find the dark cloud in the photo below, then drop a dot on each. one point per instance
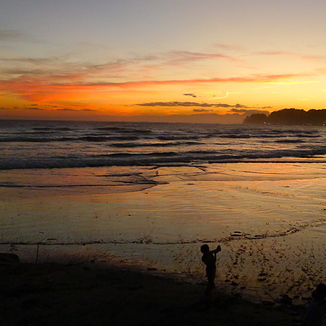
(34, 108)
(176, 103)
(248, 112)
(190, 94)
(240, 106)
(189, 104)
(222, 105)
(202, 110)
(52, 106)
(240, 110)
(71, 110)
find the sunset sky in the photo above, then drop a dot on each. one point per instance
(155, 60)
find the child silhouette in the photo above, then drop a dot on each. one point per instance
(209, 259)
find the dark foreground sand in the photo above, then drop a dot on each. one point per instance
(54, 294)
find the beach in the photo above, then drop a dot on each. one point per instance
(80, 294)
(268, 218)
(81, 200)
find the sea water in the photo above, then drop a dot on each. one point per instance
(51, 144)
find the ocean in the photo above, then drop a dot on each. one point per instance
(149, 194)
(58, 144)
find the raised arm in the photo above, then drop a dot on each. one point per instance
(218, 249)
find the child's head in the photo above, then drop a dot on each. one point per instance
(204, 248)
(320, 292)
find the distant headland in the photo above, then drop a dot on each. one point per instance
(289, 117)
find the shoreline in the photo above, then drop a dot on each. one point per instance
(269, 218)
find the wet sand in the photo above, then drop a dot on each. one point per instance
(269, 219)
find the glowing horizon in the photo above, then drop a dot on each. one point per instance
(148, 63)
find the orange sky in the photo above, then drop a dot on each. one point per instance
(188, 65)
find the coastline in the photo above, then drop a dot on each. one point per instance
(269, 218)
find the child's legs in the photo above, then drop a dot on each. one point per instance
(210, 273)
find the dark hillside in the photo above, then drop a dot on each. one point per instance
(289, 117)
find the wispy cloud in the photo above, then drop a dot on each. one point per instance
(275, 53)
(60, 80)
(292, 55)
(11, 35)
(138, 66)
(246, 79)
(66, 84)
(229, 47)
(178, 57)
(138, 69)
(190, 104)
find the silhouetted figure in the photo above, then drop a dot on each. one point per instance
(209, 259)
(314, 313)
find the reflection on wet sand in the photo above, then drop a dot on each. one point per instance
(270, 219)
